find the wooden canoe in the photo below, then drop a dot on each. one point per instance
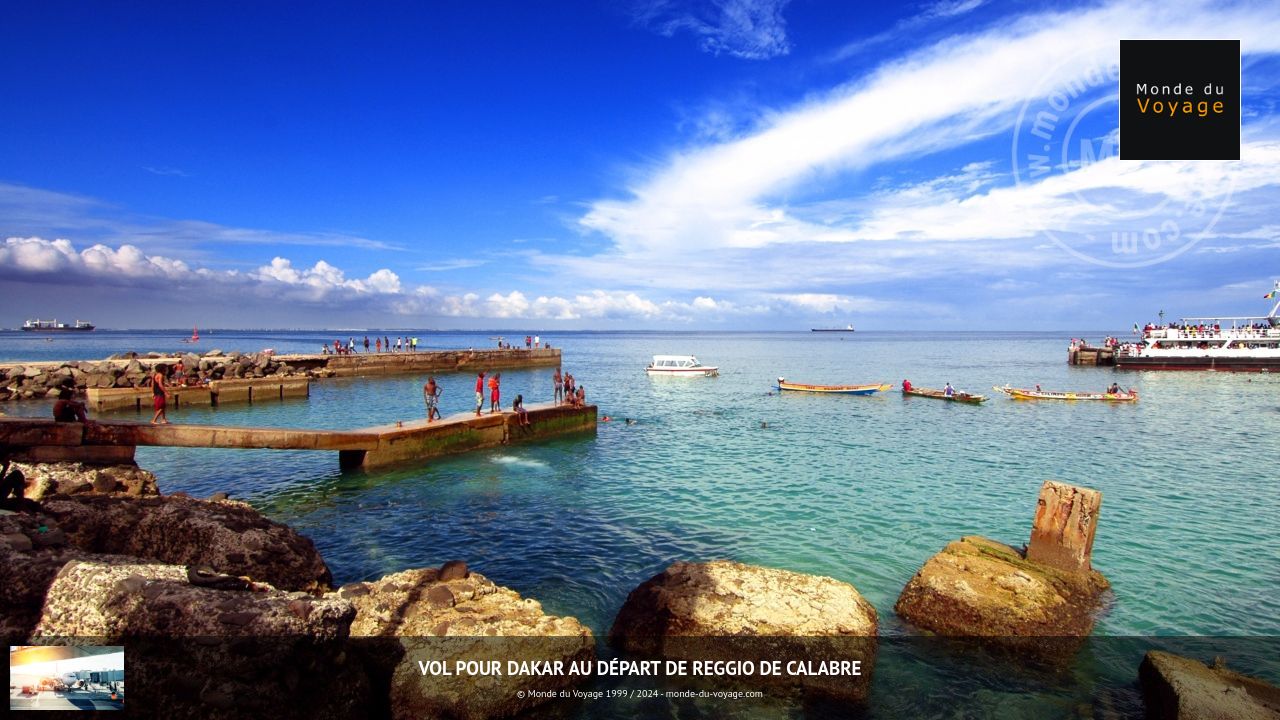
(837, 389)
(960, 397)
(1025, 394)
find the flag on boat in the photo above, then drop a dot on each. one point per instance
(1135, 328)
(1269, 295)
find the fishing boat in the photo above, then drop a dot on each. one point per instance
(836, 389)
(680, 366)
(846, 328)
(955, 396)
(1025, 394)
(1249, 344)
(48, 326)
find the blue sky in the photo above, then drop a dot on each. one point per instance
(723, 164)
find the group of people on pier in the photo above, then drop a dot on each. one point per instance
(379, 345)
(566, 392)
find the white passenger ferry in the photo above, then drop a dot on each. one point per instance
(680, 366)
(1250, 344)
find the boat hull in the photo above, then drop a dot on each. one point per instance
(834, 389)
(1231, 364)
(967, 398)
(683, 372)
(1023, 394)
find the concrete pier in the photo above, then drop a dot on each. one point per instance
(218, 392)
(39, 440)
(1088, 355)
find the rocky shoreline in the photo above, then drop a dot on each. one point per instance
(226, 613)
(33, 381)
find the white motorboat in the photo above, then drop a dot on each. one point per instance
(680, 366)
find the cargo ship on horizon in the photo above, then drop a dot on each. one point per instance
(44, 326)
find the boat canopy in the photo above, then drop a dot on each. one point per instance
(675, 361)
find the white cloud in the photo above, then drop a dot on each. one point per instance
(46, 212)
(750, 29)
(35, 259)
(723, 216)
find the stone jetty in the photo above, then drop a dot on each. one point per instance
(226, 613)
(725, 610)
(1027, 600)
(35, 380)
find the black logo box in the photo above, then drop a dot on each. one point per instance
(1160, 77)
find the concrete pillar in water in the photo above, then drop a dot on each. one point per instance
(1066, 519)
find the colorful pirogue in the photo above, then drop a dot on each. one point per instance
(1024, 394)
(957, 396)
(838, 389)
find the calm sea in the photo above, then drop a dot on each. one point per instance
(863, 489)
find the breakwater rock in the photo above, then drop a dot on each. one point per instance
(73, 478)
(727, 610)
(978, 587)
(226, 613)
(130, 370)
(196, 651)
(451, 614)
(1041, 601)
(226, 535)
(1179, 688)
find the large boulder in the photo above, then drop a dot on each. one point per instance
(452, 615)
(229, 536)
(1179, 688)
(977, 587)
(197, 651)
(67, 478)
(725, 610)
(32, 551)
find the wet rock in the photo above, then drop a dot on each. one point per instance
(481, 622)
(453, 570)
(978, 587)
(728, 610)
(1179, 688)
(230, 537)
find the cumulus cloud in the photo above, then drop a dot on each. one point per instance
(749, 29)
(34, 259)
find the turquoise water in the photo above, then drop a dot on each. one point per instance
(863, 489)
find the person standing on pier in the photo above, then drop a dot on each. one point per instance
(479, 392)
(431, 393)
(494, 393)
(159, 395)
(366, 344)
(556, 381)
(377, 345)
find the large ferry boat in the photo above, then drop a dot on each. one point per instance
(1248, 344)
(55, 326)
